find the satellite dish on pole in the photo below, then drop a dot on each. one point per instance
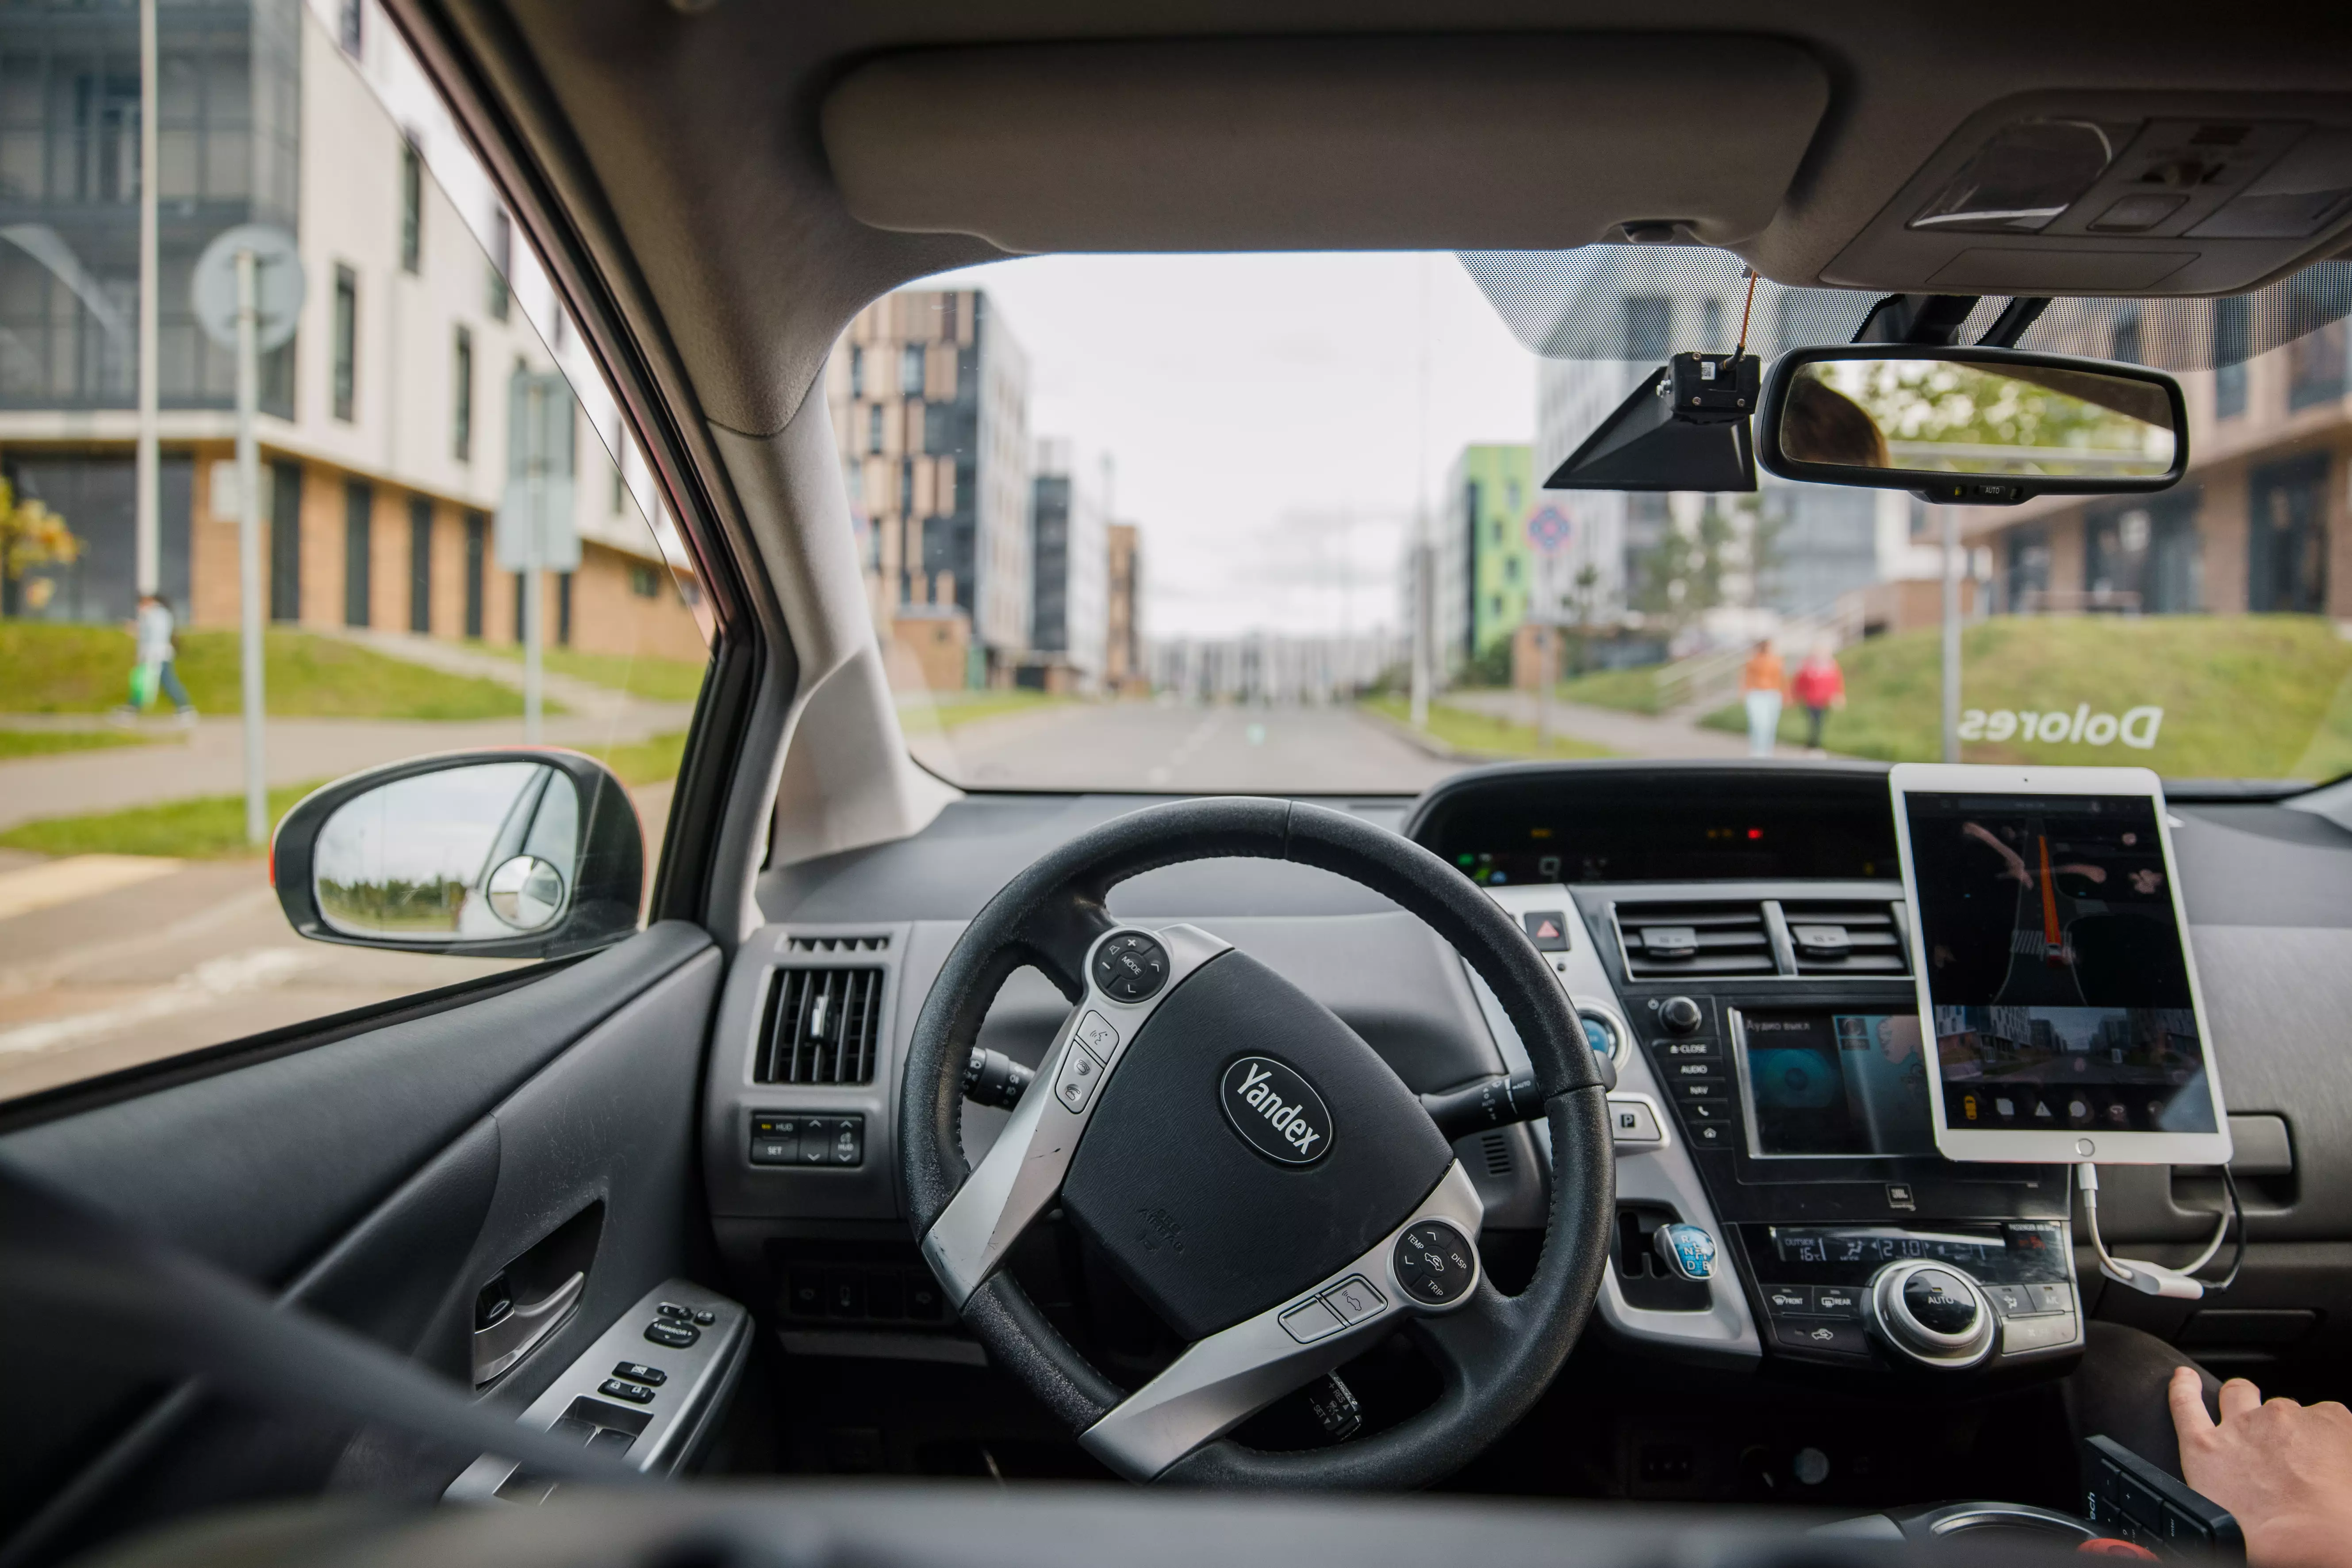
(277, 285)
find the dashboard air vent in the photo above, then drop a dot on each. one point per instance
(837, 944)
(821, 1026)
(1844, 939)
(1669, 941)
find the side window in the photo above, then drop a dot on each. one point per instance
(137, 920)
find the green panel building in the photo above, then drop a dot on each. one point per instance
(1484, 572)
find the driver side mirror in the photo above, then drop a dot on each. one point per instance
(1971, 425)
(504, 853)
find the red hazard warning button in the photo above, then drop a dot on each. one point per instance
(1547, 928)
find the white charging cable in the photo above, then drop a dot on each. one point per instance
(2150, 1278)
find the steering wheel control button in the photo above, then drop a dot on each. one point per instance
(1075, 1084)
(1354, 1300)
(614, 1388)
(677, 1336)
(1275, 1110)
(1547, 928)
(1130, 967)
(1689, 1250)
(639, 1372)
(1095, 1034)
(1435, 1262)
(1681, 1015)
(1310, 1320)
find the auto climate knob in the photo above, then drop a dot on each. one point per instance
(1932, 1313)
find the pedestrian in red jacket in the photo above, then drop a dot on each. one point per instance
(1819, 687)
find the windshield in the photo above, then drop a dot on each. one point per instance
(1282, 523)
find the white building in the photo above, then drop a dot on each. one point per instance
(383, 422)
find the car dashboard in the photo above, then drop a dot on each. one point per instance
(1731, 934)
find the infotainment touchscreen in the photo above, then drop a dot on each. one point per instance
(1824, 1084)
(2053, 962)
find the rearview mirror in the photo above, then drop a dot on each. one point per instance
(517, 854)
(1987, 427)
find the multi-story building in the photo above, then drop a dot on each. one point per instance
(2263, 521)
(383, 426)
(1123, 670)
(1267, 668)
(928, 393)
(1069, 610)
(1484, 571)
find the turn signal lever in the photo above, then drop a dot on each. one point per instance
(1495, 1101)
(991, 1077)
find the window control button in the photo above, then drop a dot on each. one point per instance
(672, 1309)
(639, 1372)
(705, 1316)
(614, 1388)
(677, 1336)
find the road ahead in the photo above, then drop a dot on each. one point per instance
(1186, 751)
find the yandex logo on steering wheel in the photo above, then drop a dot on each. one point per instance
(1275, 1110)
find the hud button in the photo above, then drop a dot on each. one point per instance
(1130, 966)
(1354, 1299)
(1435, 1262)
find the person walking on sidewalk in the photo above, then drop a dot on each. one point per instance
(1760, 682)
(153, 670)
(1820, 686)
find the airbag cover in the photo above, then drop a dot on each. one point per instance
(1218, 1187)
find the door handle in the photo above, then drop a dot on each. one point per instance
(500, 1344)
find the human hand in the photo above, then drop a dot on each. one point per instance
(2285, 1469)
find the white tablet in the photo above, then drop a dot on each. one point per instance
(2052, 950)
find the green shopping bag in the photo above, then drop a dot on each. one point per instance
(143, 685)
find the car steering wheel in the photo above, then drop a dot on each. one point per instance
(1259, 1175)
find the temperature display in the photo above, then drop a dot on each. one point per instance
(1809, 1244)
(2011, 1252)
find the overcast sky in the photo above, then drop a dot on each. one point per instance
(1264, 414)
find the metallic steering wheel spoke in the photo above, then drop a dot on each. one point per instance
(1023, 1171)
(1424, 1270)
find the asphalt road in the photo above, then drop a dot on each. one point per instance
(1186, 750)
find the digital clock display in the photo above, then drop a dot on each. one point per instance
(2018, 1251)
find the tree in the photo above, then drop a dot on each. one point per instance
(31, 536)
(1681, 576)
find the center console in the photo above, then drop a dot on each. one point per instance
(1802, 1103)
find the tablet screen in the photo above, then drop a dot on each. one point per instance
(2057, 977)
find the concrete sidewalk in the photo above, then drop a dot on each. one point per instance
(1628, 734)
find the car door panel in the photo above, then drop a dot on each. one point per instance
(574, 1102)
(259, 1169)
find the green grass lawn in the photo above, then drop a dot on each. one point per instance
(15, 743)
(640, 675)
(208, 827)
(649, 761)
(47, 668)
(1475, 732)
(2243, 696)
(1634, 690)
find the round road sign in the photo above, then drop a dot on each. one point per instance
(277, 285)
(1548, 528)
